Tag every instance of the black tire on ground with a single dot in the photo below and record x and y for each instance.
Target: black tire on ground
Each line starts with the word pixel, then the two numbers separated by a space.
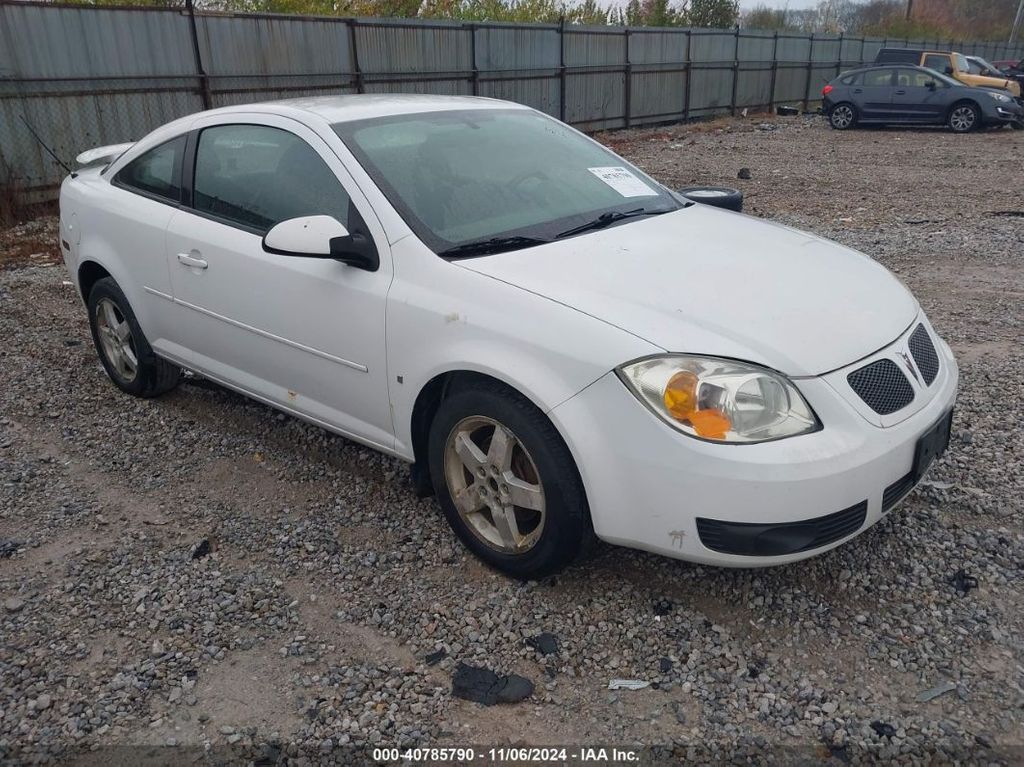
pixel 1017 125
pixel 842 116
pixel 566 533
pixel 152 376
pixel 716 196
pixel 964 116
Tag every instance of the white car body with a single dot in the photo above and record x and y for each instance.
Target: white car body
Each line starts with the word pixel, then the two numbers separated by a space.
pixel 553 322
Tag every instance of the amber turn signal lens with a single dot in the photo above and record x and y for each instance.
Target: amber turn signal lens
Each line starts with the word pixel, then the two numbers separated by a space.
pixel 681 395
pixel 712 424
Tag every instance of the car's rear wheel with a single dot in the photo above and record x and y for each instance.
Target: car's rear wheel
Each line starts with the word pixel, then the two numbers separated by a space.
pixel 964 117
pixel 842 116
pixel 507 482
pixel 123 349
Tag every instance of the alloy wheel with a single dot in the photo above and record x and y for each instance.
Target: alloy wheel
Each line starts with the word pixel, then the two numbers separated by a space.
pixel 494 484
pixel 842 116
pixel 115 335
pixel 962 119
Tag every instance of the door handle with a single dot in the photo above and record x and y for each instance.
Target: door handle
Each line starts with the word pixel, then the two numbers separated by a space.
pixel 901 93
pixel 191 261
pixel 858 90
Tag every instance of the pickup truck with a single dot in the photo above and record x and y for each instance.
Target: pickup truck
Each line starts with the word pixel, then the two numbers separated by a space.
pixel 948 63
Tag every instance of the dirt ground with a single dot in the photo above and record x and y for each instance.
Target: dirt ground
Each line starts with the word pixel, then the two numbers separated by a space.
pixel 305 630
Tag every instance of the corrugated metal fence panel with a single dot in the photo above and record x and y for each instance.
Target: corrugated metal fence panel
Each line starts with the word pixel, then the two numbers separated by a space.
pixel 519 64
pixel 710 83
pixel 396 57
pixel 658 78
pixel 82 77
pixel 756 53
pixel 252 58
pixel 872 45
pixel 595 92
pixel 791 79
pixel 825 55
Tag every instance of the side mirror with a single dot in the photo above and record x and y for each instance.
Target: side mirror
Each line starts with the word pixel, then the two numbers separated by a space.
pixel 930 85
pixel 949 71
pixel 321 237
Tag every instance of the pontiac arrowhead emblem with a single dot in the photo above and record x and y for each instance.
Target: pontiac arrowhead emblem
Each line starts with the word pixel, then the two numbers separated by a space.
pixel 908 362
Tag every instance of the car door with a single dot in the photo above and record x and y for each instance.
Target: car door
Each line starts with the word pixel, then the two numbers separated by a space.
pixel 875 93
pixel 306 334
pixel 918 96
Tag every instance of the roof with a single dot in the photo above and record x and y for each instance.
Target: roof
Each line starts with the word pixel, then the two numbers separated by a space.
pixel 345 108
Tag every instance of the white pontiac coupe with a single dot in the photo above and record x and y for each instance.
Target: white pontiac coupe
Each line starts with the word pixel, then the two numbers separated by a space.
pixel 559 344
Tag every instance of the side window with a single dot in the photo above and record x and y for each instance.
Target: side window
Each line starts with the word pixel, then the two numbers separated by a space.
pixel 878 77
pixel 157 172
pixel 258 176
pixel 937 62
pixel 857 79
pixel 919 79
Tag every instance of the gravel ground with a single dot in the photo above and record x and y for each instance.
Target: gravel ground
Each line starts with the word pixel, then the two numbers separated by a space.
pixel 201 571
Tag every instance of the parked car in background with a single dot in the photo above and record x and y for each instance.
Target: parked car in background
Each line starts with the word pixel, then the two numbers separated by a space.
pixel 559 344
pixel 954 65
pixel 1014 70
pixel 908 94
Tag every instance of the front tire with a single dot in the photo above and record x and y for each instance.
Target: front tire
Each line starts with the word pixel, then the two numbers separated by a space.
pixel 506 481
pixel 122 347
pixel 964 117
pixel 842 116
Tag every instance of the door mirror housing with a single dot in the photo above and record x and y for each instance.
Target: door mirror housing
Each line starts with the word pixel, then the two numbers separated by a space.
pixel 949 71
pixel 321 237
pixel 930 85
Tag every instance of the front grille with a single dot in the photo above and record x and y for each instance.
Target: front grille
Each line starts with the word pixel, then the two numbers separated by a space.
pixel 923 349
pixel 756 539
pixel 896 491
pixel 882 386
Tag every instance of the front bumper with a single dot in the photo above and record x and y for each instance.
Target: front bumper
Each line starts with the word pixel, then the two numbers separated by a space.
pixel 653 488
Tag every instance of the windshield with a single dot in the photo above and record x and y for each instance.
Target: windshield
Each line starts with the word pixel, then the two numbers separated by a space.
pixel 961 63
pixel 985 66
pixel 459 177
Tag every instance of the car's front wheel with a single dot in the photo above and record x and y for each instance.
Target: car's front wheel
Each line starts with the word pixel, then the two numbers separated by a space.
pixel 507 482
pixel 842 116
pixel 123 349
pixel 964 117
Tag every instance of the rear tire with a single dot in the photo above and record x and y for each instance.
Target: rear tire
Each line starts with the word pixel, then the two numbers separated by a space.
pixel 842 116
pixel 515 500
pixel 122 347
pixel 964 117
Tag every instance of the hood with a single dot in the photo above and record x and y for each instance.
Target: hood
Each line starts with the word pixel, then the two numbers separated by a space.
pixel 707 281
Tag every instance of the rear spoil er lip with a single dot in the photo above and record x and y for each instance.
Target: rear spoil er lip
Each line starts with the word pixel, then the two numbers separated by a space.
pixel 258 331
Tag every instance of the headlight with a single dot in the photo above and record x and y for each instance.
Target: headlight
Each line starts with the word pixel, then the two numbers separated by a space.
pixel 998 96
pixel 718 399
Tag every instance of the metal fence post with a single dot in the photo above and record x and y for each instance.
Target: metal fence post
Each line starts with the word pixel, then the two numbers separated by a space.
pixel 810 67
pixel 360 85
pixel 775 72
pixel 627 71
pixel 839 56
pixel 561 68
pixel 689 71
pixel 204 80
pixel 735 70
pixel 475 77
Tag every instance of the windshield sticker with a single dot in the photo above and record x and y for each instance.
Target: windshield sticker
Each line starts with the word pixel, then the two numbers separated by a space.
pixel 623 182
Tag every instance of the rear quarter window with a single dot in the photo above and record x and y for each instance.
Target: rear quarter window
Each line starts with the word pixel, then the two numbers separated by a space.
pixel 856 79
pixel 157 173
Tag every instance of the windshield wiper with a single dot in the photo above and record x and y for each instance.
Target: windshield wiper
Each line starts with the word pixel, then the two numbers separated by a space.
pixel 491 245
pixel 606 219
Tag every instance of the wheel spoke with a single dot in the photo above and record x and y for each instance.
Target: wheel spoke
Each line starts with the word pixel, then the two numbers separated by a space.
pixel 122 331
pixel 523 494
pixel 467 500
pixel 472 457
pixel 109 316
pixel 500 451
pixel 131 363
pixel 504 518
